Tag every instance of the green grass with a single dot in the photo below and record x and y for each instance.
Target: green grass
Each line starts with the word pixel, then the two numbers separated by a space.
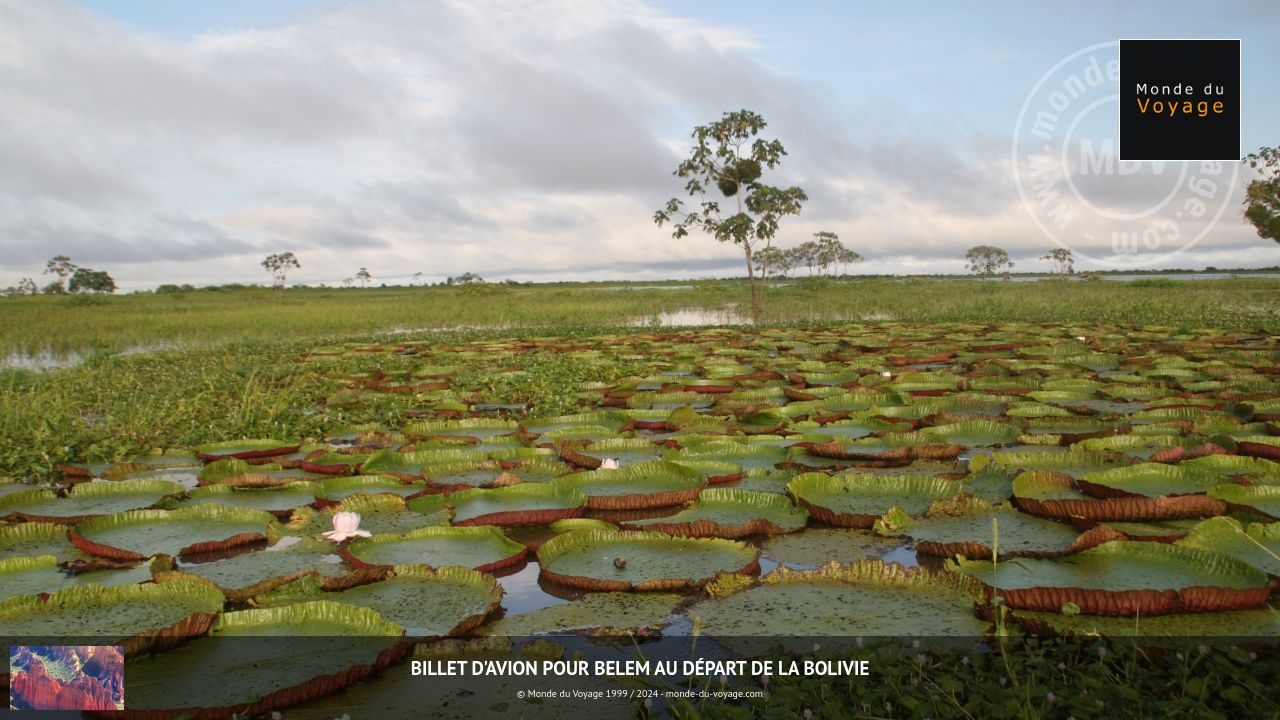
pixel 85 325
pixel 238 379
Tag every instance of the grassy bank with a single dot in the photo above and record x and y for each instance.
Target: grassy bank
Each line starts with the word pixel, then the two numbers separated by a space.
pixel 85 324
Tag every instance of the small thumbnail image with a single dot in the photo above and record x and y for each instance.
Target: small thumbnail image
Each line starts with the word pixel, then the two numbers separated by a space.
pixel 66 677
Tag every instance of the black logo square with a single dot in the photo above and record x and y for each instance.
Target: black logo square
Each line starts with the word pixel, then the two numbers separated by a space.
pixel 1180 100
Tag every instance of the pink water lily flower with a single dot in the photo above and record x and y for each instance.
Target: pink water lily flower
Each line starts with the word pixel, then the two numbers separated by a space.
pixel 346 525
pixel 609 464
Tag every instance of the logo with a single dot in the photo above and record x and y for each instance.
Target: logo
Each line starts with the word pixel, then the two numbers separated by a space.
pixel 1066 163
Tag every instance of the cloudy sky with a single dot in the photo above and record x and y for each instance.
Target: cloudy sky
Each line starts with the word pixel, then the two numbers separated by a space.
pixel 181 142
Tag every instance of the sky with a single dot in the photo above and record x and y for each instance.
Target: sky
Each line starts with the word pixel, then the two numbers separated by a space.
pixel 182 142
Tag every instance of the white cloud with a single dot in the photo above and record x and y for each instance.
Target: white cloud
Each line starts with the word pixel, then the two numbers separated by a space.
pixel 518 140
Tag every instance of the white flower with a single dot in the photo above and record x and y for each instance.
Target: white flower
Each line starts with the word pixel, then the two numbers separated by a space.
pixel 346 525
pixel 885 373
pixel 609 464
pixel 1081 338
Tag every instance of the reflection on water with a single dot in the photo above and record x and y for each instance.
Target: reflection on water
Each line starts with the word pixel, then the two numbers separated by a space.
pixel 692 317
pixel 46 359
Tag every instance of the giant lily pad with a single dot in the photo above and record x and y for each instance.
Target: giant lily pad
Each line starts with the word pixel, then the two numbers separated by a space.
pixel 330 646
pixel 31 538
pixel 974 433
pixel 605 614
pixel 149 615
pixel 244 575
pixel 340 487
pixel 279 500
pixel 1255 625
pixel 972 529
pixel 482 548
pixel 1148 480
pixel 86 500
pixel 138 534
pixel 1125 578
pixel 379 514
pixel 617 560
pixel 729 513
pixel 425 601
pixel 857 500
pixel 410 465
pixel 42 574
pixel 866 598
pixel 1263 499
pixel 244 449
pixel 819 546
pixel 1056 495
pixel 636 487
pixel 1255 543
pixel 523 504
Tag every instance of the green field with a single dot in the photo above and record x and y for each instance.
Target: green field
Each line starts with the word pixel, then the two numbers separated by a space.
pixel 87 323
pixel 943 442
pixel 216 363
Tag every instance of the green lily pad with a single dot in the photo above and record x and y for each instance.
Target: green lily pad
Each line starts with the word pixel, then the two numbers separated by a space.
pixel 138 534
pixel 482 548
pixel 1125 578
pixel 523 504
pixel 380 514
pixel 256 678
pixel 974 433
pixel 636 487
pixel 1253 624
pixel 112 613
pixel 857 500
pixel 729 513
pixel 604 560
pixel 88 499
pixel 972 532
pixel 31 575
pixel 1264 499
pixel 338 488
pixel 819 546
pixel 425 601
pixel 411 465
pixel 889 601
pixel 1149 480
pixel 605 613
pixel 32 538
pixel 244 575
pixel 243 449
pixel 1256 543
pixel 273 499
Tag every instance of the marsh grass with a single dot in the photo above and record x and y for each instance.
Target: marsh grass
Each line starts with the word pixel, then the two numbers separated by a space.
pixel 33 325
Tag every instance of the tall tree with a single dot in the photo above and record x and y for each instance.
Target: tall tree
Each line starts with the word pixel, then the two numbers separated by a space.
pixel 1060 260
pixel 364 277
pixel 62 267
pixel 729 156
pixel 1262 196
pixel 771 258
pixel 279 265
pixel 987 260
pixel 94 281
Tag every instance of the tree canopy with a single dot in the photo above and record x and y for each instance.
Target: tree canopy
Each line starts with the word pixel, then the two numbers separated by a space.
pixel 987 260
pixel 279 265
pixel 1262 196
pixel 729 156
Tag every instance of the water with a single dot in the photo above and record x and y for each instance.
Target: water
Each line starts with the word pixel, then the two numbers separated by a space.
pixel 46 359
pixel 1163 276
pixel 692 317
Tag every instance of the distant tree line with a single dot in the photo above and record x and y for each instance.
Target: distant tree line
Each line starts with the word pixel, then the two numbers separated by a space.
pixel 69 278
